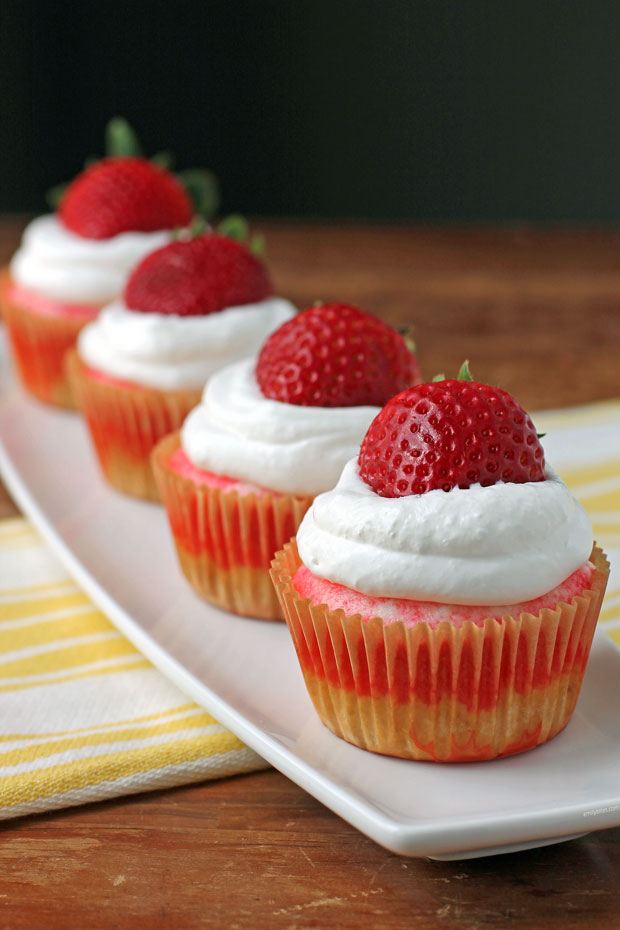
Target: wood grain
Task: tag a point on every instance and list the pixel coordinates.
(537, 312)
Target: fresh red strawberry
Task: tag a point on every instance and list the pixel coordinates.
(193, 277)
(117, 195)
(449, 434)
(335, 355)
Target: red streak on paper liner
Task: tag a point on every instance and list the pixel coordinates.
(449, 691)
(475, 675)
(470, 751)
(226, 531)
(233, 529)
(126, 421)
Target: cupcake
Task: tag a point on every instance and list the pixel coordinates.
(189, 308)
(443, 596)
(269, 435)
(74, 261)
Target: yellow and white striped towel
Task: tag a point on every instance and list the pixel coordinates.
(584, 445)
(83, 716)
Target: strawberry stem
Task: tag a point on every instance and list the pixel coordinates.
(237, 227)
(257, 245)
(198, 226)
(54, 195)
(164, 159)
(234, 226)
(121, 139)
(407, 334)
(203, 189)
(464, 372)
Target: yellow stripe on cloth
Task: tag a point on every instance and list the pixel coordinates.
(84, 716)
(590, 466)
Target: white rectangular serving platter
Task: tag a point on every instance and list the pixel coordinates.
(246, 674)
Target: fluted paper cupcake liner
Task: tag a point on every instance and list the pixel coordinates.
(226, 541)
(126, 422)
(449, 693)
(40, 344)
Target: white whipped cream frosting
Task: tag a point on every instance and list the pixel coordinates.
(238, 432)
(502, 544)
(169, 352)
(63, 266)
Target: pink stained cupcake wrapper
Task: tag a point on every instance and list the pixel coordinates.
(225, 541)
(452, 693)
(40, 344)
(126, 422)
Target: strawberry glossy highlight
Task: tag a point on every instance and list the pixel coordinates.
(124, 194)
(195, 277)
(335, 355)
(449, 434)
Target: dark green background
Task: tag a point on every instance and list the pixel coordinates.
(451, 111)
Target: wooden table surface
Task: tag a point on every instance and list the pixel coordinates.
(536, 312)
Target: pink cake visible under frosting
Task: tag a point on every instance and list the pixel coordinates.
(97, 375)
(46, 306)
(180, 463)
(392, 610)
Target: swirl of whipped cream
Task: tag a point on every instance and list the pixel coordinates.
(238, 432)
(63, 266)
(501, 544)
(171, 352)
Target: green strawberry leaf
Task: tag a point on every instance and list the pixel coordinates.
(234, 226)
(237, 227)
(257, 245)
(407, 334)
(164, 160)
(54, 195)
(464, 372)
(203, 189)
(439, 377)
(198, 226)
(121, 139)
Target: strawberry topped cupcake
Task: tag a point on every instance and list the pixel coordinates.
(269, 435)
(189, 308)
(443, 596)
(73, 262)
